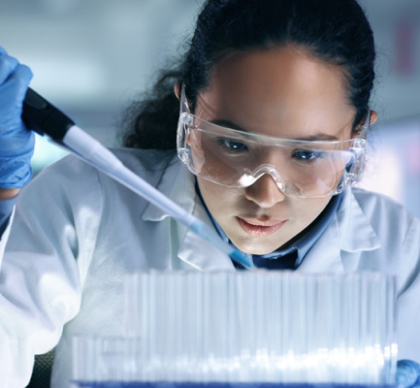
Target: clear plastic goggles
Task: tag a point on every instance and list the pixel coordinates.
(301, 169)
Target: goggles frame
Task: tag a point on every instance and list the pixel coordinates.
(187, 123)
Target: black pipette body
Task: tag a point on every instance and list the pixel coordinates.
(42, 117)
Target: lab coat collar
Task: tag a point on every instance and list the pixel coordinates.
(177, 183)
(356, 232)
(349, 233)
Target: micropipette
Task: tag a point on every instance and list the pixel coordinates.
(44, 118)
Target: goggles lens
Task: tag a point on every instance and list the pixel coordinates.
(301, 169)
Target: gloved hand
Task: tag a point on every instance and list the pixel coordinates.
(16, 142)
(408, 374)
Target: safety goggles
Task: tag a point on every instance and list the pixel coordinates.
(237, 159)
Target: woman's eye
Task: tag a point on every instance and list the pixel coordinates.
(233, 145)
(307, 155)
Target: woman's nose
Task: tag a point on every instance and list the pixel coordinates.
(264, 192)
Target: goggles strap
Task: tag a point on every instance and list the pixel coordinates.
(184, 103)
(366, 125)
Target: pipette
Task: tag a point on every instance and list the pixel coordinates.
(44, 118)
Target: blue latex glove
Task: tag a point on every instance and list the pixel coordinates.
(408, 374)
(16, 142)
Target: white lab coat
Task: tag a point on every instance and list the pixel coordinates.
(76, 234)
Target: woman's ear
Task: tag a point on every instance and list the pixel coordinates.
(373, 117)
(177, 90)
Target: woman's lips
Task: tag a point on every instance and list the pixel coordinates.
(258, 228)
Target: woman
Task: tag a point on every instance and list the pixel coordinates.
(264, 85)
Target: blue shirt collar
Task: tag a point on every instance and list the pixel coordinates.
(297, 249)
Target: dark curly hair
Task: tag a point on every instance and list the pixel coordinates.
(335, 31)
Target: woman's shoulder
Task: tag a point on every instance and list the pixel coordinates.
(383, 229)
(384, 211)
(72, 180)
(143, 162)
(147, 160)
(377, 202)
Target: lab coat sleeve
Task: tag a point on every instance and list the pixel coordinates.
(408, 306)
(46, 258)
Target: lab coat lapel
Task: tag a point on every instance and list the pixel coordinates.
(324, 256)
(339, 248)
(356, 232)
(199, 253)
(178, 184)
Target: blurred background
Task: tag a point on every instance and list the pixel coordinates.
(92, 57)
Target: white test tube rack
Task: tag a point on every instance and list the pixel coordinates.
(262, 327)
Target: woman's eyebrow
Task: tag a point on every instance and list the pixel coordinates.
(316, 137)
(228, 124)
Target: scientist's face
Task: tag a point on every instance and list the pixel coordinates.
(284, 93)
